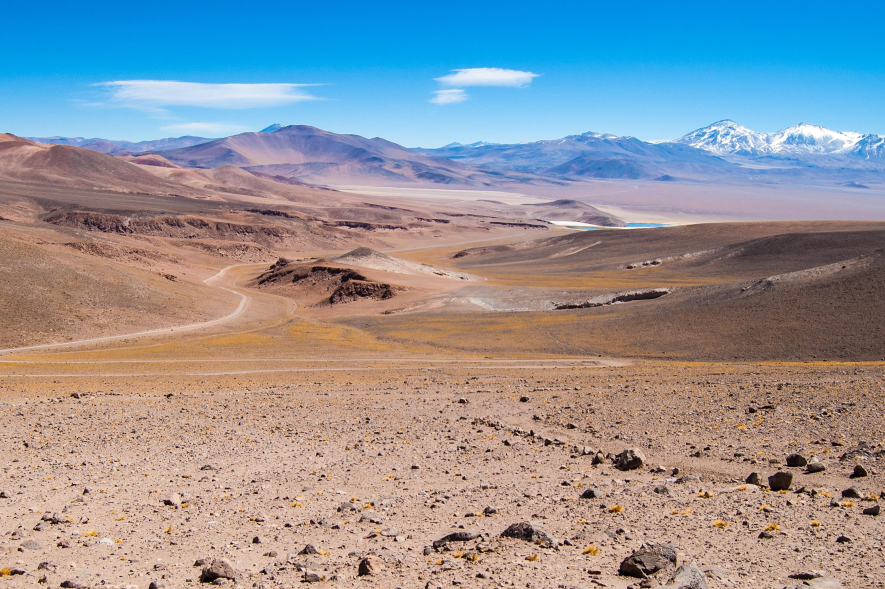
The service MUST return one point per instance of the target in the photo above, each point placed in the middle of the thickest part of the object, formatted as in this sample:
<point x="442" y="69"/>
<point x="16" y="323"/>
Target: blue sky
<point x="654" y="70"/>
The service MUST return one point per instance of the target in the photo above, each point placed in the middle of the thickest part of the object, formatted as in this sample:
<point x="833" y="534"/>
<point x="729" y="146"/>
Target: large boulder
<point x="648" y="560"/>
<point x="630" y="459"/>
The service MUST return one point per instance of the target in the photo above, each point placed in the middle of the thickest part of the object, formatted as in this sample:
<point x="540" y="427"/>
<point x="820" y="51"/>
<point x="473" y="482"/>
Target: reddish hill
<point x="63" y="165"/>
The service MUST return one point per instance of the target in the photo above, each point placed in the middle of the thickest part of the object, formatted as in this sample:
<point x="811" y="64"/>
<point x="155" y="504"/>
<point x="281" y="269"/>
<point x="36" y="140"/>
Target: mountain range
<point x="723" y="151"/>
<point x="729" y="138"/>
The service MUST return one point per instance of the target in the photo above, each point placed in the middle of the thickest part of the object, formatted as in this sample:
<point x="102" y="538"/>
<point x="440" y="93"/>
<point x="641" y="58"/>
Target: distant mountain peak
<point x="729" y="138"/>
<point x="272" y="128"/>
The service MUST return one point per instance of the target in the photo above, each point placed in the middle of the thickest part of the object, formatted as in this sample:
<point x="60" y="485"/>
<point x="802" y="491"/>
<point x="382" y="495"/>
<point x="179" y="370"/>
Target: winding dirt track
<point x="241" y="308"/>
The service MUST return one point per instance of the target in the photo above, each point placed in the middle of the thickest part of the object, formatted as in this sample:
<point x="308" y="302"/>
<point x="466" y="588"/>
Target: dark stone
<point x="754" y="479"/>
<point x="456" y="537"/>
<point x="858" y="472"/>
<point x="630" y="459"/>
<point x="796" y="460"/>
<point x="529" y="533"/>
<point x="368" y="566"/>
<point x="852" y="493"/>
<point x="780" y="481"/>
<point x="648" y="560"/>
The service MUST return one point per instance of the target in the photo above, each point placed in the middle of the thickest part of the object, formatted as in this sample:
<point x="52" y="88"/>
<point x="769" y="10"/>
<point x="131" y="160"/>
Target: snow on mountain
<point x="726" y="138"/>
<point x="729" y="138"/>
<point x="811" y="139"/>
<point x="870" y="147"/>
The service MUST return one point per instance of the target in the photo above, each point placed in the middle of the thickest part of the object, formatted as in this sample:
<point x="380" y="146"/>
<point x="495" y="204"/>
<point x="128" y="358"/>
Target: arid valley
<point x="214" y="375"/>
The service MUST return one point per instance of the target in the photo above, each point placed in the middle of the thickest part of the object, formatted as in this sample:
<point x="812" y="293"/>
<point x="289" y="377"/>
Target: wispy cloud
<point x="217" y="128"/>
<point x="450" y="96"/>
<point x="157" y="94"/>
<point x="488" y="76"/>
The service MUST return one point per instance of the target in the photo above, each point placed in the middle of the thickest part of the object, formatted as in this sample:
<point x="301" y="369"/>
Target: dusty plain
<point x="332" y="383"/>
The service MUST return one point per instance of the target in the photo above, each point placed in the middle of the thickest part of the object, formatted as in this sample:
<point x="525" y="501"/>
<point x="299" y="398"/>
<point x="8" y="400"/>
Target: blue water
<point x="629" y="226"/>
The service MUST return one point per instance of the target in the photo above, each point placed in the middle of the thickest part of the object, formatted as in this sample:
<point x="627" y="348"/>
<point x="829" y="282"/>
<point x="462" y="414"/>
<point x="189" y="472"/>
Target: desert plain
<point x="211" y="376"/>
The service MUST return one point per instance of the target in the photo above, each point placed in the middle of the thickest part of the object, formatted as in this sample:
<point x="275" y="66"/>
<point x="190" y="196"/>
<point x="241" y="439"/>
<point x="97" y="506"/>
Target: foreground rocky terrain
<point x="315" y="472"/>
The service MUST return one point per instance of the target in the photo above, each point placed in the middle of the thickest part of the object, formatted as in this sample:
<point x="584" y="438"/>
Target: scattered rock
<point x="859" y="471"/>
<point x="349" y="507"/>
<point x="174" y="500"/>
<point x="30" y="545"/>
<point x="843" y="540"/>
<point x="814" y="465"/>
<point x="648" y="560"/>
<point x="874" y="510"/>
<point x="796" y="460"/>
<point x="309" y="549"/>
<point x="754" y="479"/>
<point x="369" y="566"/>
<point x="630" y="459"/>
<point x="591" y="493"/>
<point x="529" y="533"/>
<point x="219" y="569"/>
<point x="455" y="537"/>
<point x="157" y="585"/>
<point x="852" y="493"/>
<point x="312" y="577"/>
<point x="688" y="576"/>
<point x="73" y="584"/>
<point x="780" y="481"/>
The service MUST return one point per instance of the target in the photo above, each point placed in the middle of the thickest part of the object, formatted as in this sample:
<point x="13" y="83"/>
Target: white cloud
<point x="218" y="128"/>
<point x="450" y="96"/>
<point x="155" y="94"/>
<point x="488" y="76"/>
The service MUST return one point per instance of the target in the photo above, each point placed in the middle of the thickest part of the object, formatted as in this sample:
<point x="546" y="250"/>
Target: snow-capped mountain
<point x="726" y="138"/>
<point x="729" y="138"/>
<point x="870" y="147"/>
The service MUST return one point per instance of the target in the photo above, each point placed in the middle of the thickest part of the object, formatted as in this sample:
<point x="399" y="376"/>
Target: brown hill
<point x="63" y="165"/>
<point x="770" y="291"/>
<point x="315" y="155"/>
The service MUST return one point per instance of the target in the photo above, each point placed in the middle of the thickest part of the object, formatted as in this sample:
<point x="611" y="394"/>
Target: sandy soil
<point x="380" y="458"/>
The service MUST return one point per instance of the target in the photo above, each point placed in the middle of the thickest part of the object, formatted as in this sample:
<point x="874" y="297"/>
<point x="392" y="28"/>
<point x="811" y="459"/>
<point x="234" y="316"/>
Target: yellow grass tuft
<point x="706" y="495"/>
<point x="90" y="534"/>
<point x="815" y="523"/>
<point x="720" y="524"/>
<point x="772" y="528"/>
<point x="532" y="558"/>
<point x="615" y="509"/>
<point x="591" y="550"/>
<point x="848" y="504"/>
